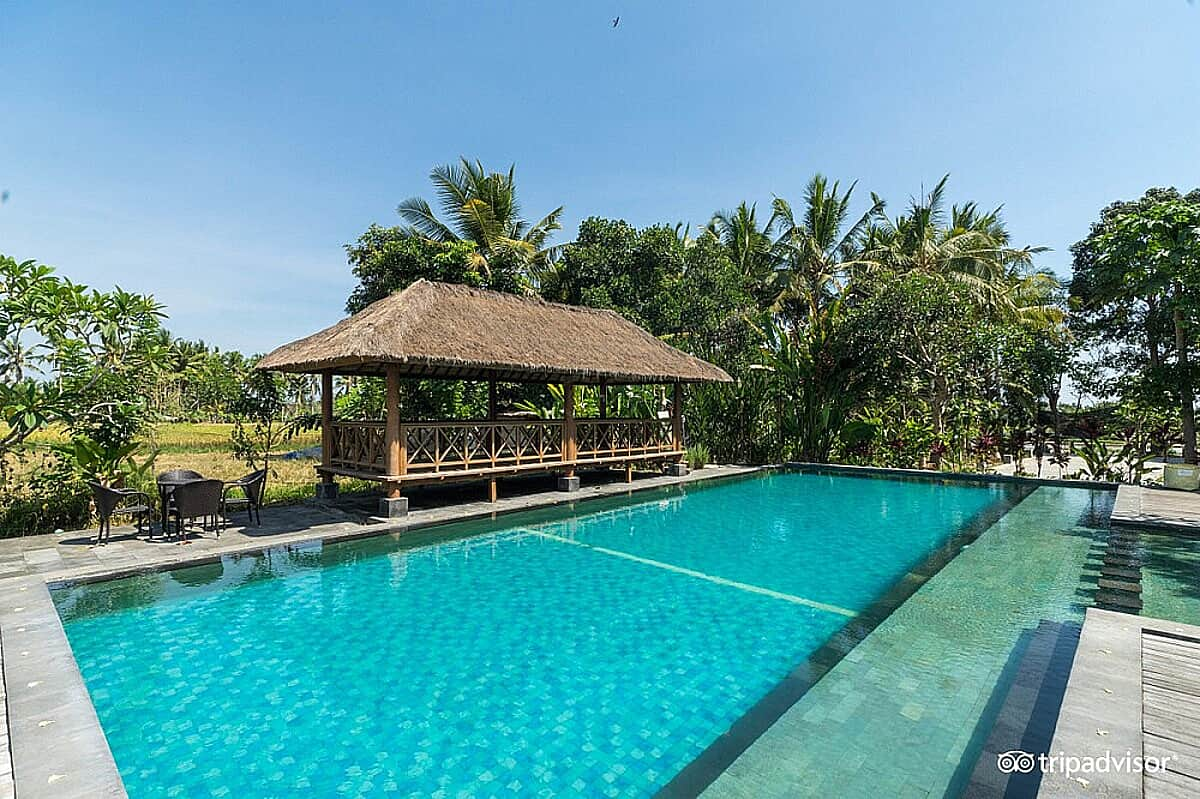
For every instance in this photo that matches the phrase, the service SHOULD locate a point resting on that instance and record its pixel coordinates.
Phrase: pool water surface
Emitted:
(593, 654)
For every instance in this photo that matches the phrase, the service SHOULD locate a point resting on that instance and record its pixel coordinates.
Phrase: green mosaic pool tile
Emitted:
(952, 639)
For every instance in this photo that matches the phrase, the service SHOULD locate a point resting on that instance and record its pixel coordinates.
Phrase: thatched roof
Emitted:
(449, 331)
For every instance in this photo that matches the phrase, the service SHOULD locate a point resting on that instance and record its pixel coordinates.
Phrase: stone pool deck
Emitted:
(54, 745)
(1145, 507)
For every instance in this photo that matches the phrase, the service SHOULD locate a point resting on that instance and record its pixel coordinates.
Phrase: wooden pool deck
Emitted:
(1134, 687)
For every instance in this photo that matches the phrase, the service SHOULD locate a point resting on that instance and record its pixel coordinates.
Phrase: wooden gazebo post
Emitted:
(327, 488)
(679, 468)
(569, 481)
(492, 436)
(395, 458)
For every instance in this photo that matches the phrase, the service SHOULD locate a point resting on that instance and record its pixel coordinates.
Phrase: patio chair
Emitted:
(111, 502)
(199, 499)
(166, 487)
(251, 486)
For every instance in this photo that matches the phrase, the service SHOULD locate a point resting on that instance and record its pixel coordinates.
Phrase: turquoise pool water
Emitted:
(591, 655)
(1171, 577)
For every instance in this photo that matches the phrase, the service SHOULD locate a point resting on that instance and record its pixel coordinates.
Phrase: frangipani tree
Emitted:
(74, 356)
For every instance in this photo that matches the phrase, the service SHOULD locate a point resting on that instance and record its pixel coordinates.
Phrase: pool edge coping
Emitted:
(58, 748)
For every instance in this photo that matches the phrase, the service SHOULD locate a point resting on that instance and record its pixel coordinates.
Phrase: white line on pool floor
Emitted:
(754, 589)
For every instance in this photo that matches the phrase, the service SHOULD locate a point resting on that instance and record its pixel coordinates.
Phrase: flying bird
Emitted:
(616, 21)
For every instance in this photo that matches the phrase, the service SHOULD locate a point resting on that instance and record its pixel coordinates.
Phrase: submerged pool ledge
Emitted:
(951, 477)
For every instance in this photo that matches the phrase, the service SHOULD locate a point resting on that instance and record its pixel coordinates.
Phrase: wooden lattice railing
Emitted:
(455, 446)
(606, 438)
(358, 446)
(436, 447)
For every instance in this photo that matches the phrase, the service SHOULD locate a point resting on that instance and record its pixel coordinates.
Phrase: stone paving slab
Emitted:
(58, 748)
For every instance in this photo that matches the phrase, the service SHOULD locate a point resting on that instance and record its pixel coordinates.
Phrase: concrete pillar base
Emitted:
(677, 470)
(327, 491)
(395, 508)
(568, 484)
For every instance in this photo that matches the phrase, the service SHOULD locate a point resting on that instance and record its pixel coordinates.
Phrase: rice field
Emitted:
(206, 448)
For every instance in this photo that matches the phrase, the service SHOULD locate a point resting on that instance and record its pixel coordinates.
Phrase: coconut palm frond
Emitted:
(422, 221)
(481, 207)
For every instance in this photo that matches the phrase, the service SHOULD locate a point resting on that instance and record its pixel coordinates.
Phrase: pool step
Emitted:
(1119, 586)
(1118, 573)
(1126, 586)
(1118, 600)
(1122, 561)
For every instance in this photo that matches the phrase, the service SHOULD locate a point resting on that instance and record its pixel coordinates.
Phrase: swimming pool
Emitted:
(596, 654)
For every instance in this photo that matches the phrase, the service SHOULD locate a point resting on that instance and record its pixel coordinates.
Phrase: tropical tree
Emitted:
(965, 244)
(750, 248)
(817, 250)
(388, 259)
(262, 423)
(1136, 282)
(819, 377)
(936, 341)
(481, 207)
(99, 348)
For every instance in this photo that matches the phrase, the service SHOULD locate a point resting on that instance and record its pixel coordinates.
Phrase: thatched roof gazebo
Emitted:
(454, 332)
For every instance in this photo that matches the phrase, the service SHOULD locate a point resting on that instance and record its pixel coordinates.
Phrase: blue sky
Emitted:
(219, 157)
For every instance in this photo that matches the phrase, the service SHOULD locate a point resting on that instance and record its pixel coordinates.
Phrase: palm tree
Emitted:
(481, 207)
(968, 246)
(749, 247)
(817, 250)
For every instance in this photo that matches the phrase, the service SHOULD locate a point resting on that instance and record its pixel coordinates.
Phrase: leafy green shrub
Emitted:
(110, 464)
(51, 499)
(697, 456)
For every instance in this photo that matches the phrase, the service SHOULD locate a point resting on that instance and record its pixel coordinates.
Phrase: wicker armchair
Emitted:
(171, 479)
(199, 499)
(251, 487)
(113, 501)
